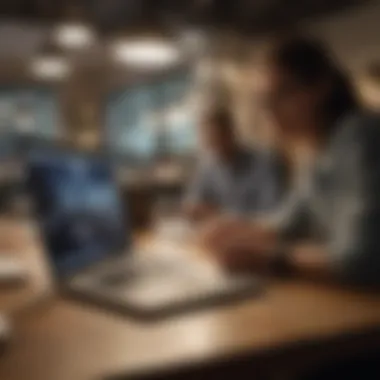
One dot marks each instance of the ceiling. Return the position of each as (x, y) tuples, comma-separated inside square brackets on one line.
[(25, 24), (111, 15)]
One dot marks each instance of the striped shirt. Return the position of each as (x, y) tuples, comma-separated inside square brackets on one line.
[(253, 182)]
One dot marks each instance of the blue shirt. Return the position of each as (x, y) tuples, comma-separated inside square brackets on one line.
[(252, 182)]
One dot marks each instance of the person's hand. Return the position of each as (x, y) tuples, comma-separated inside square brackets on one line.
[(312, 261), (217, 229), (238, 245), (246, 251), (198, 212), (223, 232)]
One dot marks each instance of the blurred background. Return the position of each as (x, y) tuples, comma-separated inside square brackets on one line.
[(132, 77)]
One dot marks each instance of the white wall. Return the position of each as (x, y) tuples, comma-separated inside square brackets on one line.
[(354, 37)]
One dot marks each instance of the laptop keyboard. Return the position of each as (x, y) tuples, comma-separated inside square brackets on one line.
[(135, 271), (119, 278), (152, 284)]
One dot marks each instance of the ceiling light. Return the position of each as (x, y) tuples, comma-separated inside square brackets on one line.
[(50, 62), (50, 68), (146, 53), (74, 35)]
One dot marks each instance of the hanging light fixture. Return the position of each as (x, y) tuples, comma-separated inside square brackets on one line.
[(74, 35), (50, 63), (74, 32), (145, 53)]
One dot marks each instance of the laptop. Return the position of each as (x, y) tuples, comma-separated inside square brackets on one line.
[(86, 230)]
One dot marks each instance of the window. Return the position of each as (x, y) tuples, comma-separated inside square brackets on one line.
[(151, 119), (27, 112)]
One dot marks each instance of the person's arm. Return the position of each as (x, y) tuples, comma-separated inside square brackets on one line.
[(306, 260), (311, 261), (352, 251), (199, 211), (259, 232), (354, 246)]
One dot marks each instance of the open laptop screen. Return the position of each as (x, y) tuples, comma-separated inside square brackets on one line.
[(79, 209)]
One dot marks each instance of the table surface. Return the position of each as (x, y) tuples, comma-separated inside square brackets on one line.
[(61, 339)]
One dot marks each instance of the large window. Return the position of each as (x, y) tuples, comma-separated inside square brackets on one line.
[(27, 113), (152, 119)]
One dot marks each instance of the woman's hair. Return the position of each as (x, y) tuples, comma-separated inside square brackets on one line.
[(309, 63)]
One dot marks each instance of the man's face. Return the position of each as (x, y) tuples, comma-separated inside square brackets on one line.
[(217, 141)]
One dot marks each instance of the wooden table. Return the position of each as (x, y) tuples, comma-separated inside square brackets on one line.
[(293, 326)]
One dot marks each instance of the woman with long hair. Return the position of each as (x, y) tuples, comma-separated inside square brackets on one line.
[(332, 147)]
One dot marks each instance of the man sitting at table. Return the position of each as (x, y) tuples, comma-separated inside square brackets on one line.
[(230, 178)]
